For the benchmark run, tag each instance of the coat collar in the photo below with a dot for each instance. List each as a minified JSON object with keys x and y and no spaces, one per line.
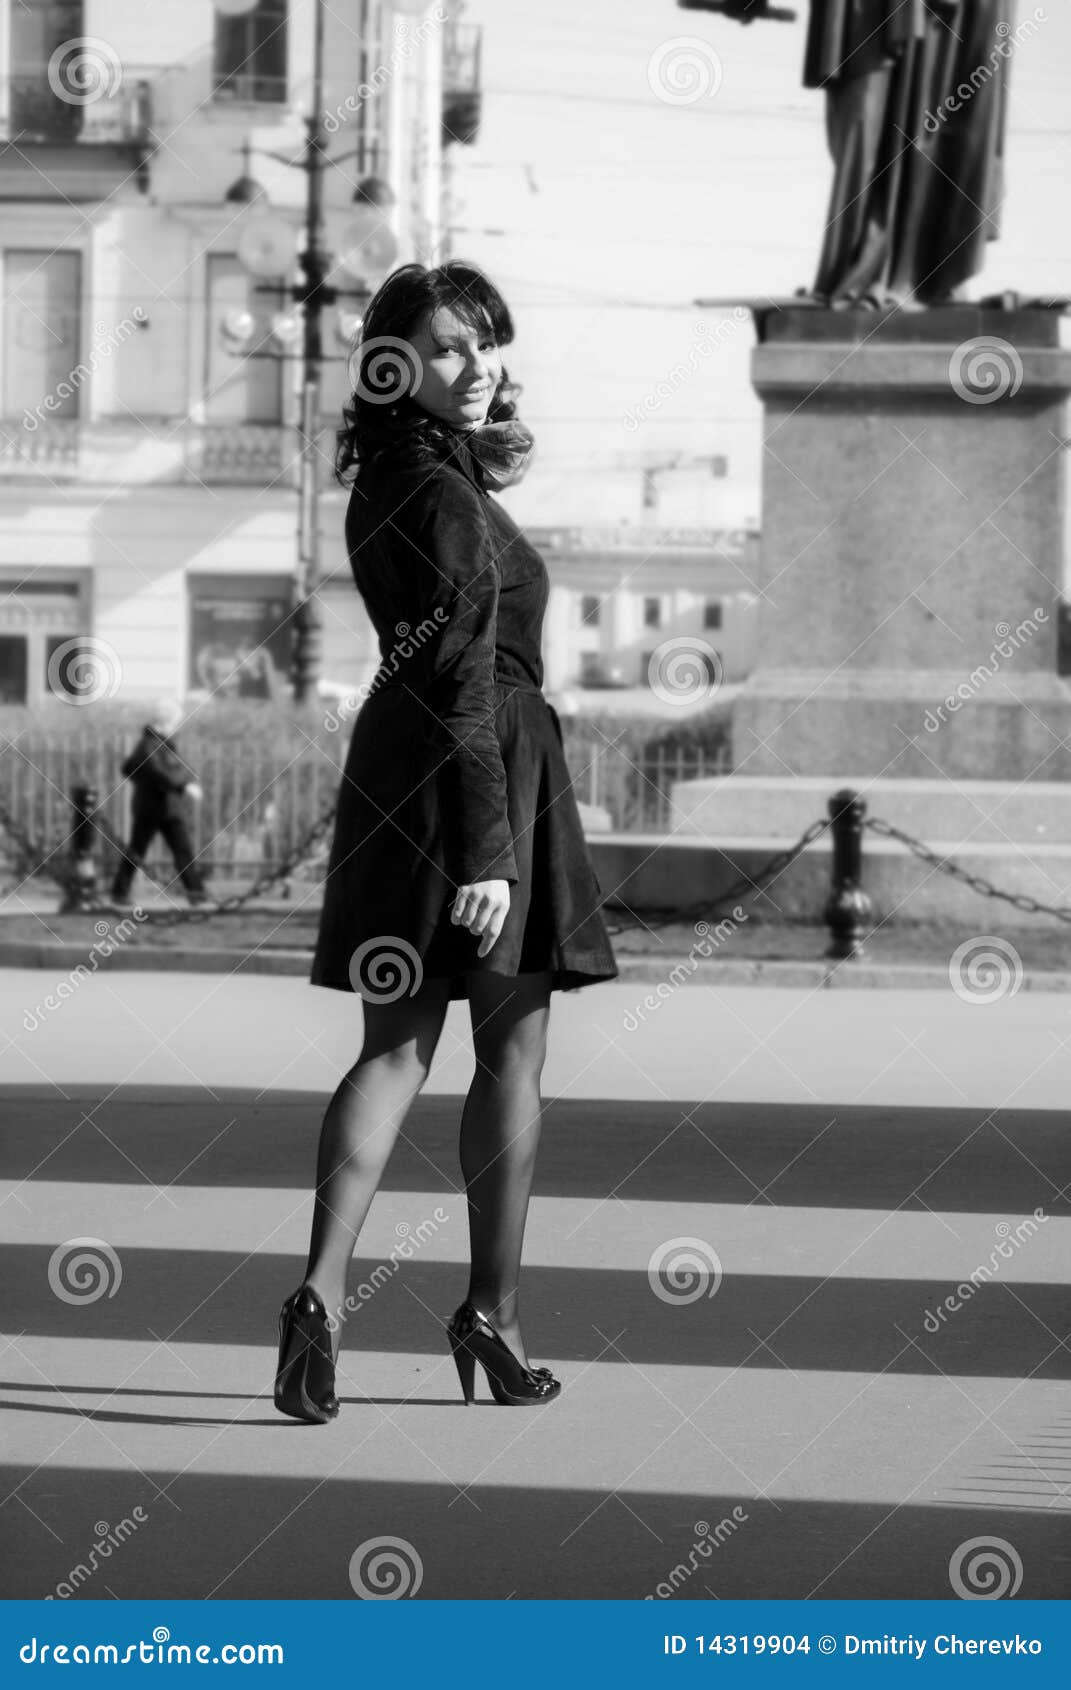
{"x":458,"y":457}
{"x":461,"y":458}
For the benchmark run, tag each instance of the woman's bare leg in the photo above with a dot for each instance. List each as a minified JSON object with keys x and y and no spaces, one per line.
{"x":500,"y":1128}
{"x":359,"y":1129}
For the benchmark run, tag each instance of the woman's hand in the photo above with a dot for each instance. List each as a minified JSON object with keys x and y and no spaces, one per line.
{"x":482,"y":907}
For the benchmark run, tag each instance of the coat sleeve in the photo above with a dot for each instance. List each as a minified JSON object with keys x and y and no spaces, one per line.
{"x":460,"y":592}
{"x":167,"y":770}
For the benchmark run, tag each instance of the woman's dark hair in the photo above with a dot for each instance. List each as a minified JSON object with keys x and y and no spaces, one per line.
{"x":382,"y":414}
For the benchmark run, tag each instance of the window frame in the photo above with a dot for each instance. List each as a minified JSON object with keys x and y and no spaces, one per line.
{"x":243,"y":39}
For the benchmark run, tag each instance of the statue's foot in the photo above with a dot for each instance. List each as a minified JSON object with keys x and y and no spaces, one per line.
{"x":851,"y":299}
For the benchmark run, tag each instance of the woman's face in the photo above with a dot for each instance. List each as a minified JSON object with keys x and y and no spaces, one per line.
{"x":460,"y":368}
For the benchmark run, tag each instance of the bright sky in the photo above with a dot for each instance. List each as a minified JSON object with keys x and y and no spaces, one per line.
{"x":618,"y":209}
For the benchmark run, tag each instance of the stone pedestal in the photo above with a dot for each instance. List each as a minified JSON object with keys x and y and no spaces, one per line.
{"x":913,"y":540}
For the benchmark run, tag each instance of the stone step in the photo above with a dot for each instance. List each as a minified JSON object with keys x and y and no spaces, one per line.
{"x":939,"y":812}
{"x":656,"y":872}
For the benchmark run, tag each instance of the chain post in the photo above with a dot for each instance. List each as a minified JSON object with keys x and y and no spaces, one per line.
{"x":848,"y":908}
{"x":81,"y":891}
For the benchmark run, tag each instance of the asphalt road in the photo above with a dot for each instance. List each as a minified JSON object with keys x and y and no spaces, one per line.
{"x":749,"y":1209}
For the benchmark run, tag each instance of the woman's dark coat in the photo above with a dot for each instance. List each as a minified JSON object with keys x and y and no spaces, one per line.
{"x":456,"y":771}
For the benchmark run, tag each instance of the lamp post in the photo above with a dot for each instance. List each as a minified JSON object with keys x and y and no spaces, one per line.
{"x":266,"y":249}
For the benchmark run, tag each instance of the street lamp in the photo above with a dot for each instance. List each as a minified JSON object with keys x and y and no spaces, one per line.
{"x":267,"y":249}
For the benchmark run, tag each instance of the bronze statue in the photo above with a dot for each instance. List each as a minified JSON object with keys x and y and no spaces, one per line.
{"x":916,"y":98}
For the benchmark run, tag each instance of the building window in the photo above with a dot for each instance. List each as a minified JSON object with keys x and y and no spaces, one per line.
{"x":369,"y":115}
{"x":250,"y":53}
{"x":591,"y":671}
{"x":652,"y":613}
{"x":14,"y":668}
{"x":238,"y":388}
{"x":462,"y":97}
{"x":43,"y":640}
{"x":45,"y":101}
{"x":240,"y":635}
{"x":712,"y":613}
{"x":42,"y":322}
{"x":590,"y":607}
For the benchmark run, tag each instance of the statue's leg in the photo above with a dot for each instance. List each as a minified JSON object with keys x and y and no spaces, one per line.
{"x":965,"y":188}
{"x":855,"y":249}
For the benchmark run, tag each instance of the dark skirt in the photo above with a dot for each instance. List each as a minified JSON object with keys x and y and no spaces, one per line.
{"x":385,"y":922}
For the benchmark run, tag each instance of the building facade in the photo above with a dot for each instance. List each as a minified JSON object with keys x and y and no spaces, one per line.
{"x":624,"y":600}
{"x":148,"y":470}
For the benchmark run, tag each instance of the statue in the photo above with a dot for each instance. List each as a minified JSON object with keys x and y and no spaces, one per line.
{"x":916,"y":98}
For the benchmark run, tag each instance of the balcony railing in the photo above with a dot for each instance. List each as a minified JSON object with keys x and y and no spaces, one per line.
{"x":250,"y":86}
{"x":32,"y":111}
{"x":161,"y":450}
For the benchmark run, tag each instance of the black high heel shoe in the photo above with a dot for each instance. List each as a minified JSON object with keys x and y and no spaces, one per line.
{"x":473,"y":1339}
{"x":305,"y":1377}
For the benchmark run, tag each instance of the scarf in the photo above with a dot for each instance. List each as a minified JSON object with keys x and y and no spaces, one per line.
{"x":502,"y":450}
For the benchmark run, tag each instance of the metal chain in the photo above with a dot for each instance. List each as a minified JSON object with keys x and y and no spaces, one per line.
{"x":226,"y":906}
{"x":742,"y":888}
{"x":36,"y":858}
{"x":1021,"y":900}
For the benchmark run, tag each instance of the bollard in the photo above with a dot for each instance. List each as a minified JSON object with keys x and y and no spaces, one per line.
{"x":82,"y":892}
{"x":848,"y":908}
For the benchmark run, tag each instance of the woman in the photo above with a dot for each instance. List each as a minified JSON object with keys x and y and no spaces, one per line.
{"x":458,"y":866}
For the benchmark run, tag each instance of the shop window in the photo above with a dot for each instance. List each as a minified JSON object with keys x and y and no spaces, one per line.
{"x":240,"y":636}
